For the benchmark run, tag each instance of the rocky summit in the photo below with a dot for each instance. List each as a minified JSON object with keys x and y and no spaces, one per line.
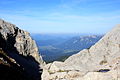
{"x":100,"y":62}
{"x":19,"y":56}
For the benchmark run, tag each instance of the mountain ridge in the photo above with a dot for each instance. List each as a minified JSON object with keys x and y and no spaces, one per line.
{"x":99,"y":62}
{"x":22,"y":49}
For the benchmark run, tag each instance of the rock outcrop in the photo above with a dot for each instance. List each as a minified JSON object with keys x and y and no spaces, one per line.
{"x":21,"y":49}
{"x":100,"y":62}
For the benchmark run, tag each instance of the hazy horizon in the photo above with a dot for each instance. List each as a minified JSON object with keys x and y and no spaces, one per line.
{"x":62,"y":16}
{"x":68,"y":33}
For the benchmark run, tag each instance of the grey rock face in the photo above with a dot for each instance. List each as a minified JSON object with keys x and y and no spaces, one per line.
{"x":20,"y":46}
{"x":100,"y":62}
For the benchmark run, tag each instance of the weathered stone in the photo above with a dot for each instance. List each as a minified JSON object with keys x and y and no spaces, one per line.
{"x":22,"y":48}
{"x":100,"y":62}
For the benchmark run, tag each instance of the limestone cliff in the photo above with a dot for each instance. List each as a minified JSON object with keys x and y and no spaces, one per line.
{"x":19,"y":46}
{"x":100,"y":62}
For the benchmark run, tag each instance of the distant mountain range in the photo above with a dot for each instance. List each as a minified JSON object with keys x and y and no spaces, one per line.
{"x":79,"y":42}
{"x":50,"y":39}
{"x":59,"y":47}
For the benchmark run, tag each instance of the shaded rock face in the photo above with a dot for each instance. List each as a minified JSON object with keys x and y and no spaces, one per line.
{"x":18,"y":45}
{"x":9,"y":70}
{"x":100,"y":62}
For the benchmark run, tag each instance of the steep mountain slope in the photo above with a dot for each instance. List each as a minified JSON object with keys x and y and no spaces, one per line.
{"x":100,"y":62}
{"x":19,"y":46}
{"x":9,"y":70}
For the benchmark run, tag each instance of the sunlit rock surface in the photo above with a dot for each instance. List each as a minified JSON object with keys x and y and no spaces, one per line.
{"x":100,"y":62}
{"x":21,"y":48}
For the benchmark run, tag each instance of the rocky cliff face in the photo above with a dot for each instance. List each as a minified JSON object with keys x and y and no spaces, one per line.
{"x":19,"y":46}
{"x":100,"y":62}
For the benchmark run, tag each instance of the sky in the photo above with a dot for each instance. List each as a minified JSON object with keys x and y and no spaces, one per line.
{"x":62,"y":16}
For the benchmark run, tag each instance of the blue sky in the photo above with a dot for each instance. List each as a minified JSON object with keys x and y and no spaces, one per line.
{"x":62,"y":16}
